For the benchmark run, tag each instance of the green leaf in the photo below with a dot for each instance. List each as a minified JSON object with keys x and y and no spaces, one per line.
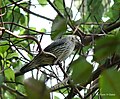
{"x":59,"y":5}
{"x":59,"y":27}
{"x":55,"y":97}
{"x":9,"y":56}
{"x":23,"y":44}
{"x":24,"y":4}
{"x":106,"y":46}
{"x":4,"y":54}
{"x":98,"y":14}
{"x":20,"y":79}
{"x":30,"y":56}
{"x":114,"y":11}
{"x":3,"y":46}
{"x":21,"y":88}
{"x":110,"y":84}
{"x":43,"y":30}
{"x":76,"y":98}
{"x":15,"y":17}
{"x":8,"y":95}
{"x":1,"y":79}
{"x":22,"y":19}
{"x":81,"y":70}
{"x":9,"y":74}
{"x":62,"y":90}
{"x":42,"y":2}
{"x":86,"y":48}
{"x":28,"y":32}
{"x":36,"y":89}
{"x":95,"y":13}
{"x":4,"y":3}
{"x":68,"y":12}
{"x":17,"y":64}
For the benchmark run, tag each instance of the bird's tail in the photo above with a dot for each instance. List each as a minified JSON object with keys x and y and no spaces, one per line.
{"x":23,"y":70}
{"x":42,"y":59}
{"x":26,"y":68}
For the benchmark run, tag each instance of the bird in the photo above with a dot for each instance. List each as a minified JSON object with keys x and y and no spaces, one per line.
{"x":57,"y":51}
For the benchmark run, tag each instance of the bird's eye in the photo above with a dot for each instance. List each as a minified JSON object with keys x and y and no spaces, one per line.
{"x":72,"y":39}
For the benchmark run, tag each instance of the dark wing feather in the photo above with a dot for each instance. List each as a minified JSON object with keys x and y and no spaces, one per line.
{"x":55,"y":44}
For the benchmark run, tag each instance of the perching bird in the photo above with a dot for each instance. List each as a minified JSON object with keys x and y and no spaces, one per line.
{"x":57,"y":51}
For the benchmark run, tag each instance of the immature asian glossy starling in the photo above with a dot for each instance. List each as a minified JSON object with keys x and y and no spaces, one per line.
{"x":58,"y":50}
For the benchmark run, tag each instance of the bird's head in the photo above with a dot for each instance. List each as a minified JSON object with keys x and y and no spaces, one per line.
{"x":76,"y":40}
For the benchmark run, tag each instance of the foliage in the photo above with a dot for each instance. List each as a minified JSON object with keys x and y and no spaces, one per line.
{"x":96,"y":22}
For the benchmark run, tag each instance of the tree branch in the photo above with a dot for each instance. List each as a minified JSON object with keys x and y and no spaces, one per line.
{"x":23,"y":37}
{"x":22,"y":27}
{"x":88,"y":38}
{"x":97,"y":73}
{"x":12,"y":90}
{"x":27,"y":10}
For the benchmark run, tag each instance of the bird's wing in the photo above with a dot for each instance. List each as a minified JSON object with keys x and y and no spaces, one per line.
{"x":40,"y":60}
{"x":56,"y":43}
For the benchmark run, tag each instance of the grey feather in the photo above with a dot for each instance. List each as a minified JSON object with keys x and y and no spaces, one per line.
{"x":55,"y":44}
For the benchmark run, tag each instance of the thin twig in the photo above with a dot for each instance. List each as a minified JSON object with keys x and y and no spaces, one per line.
{"x":12,"y":90}
{"x":26,"y":10}
{"x":13,"y":82}
{"x":23,"y":37}
{"x":93,"y":90}
{"x":54,"y":7}
{"x":23,"y":27}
